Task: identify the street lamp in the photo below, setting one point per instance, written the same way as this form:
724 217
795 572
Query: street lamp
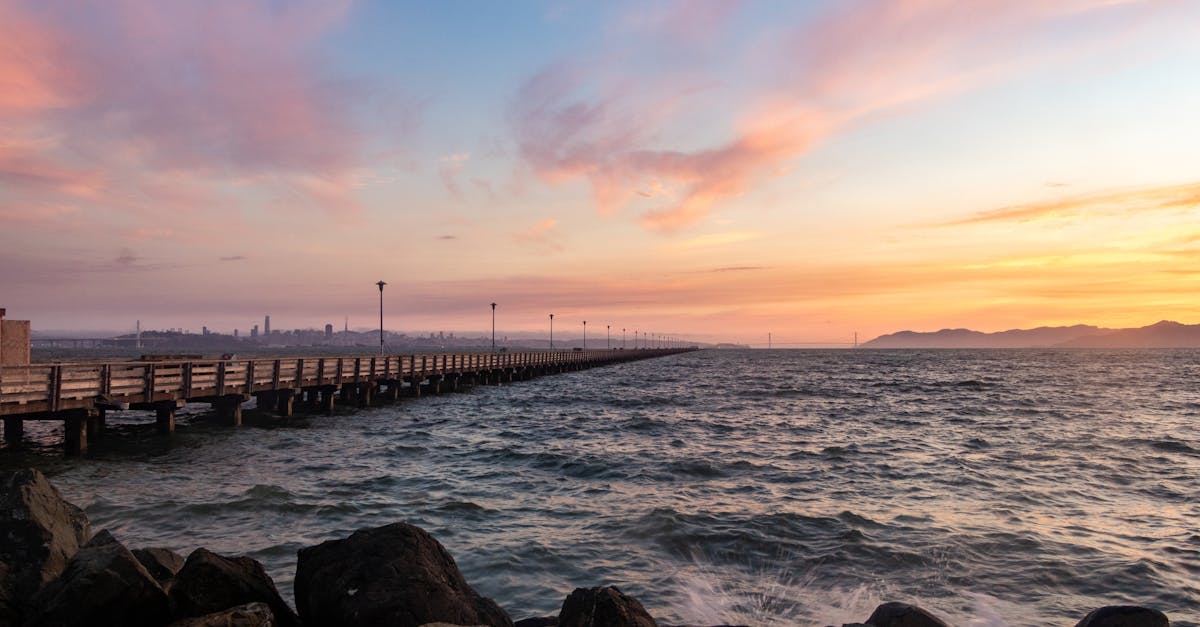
622 338
585 335
493 327
608 336
381 284
551 331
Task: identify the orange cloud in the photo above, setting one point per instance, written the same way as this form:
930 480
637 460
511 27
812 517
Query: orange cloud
1118 202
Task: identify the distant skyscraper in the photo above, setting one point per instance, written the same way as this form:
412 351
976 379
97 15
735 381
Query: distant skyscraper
254 332
329 331
235 333
267 325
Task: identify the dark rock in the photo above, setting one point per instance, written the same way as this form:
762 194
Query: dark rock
1124 616
248 615
8 612
903 615
210 583
603 607
537 621
40 533
396 575
103 584
162 564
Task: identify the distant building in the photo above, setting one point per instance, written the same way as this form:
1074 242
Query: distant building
14 341
235 333
329 332
254 332
267 325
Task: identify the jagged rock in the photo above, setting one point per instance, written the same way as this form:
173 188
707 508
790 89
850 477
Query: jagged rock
40 532
903 615
537 621
396 575
162 564
248 615
210 583
103 584
1124 616
603 607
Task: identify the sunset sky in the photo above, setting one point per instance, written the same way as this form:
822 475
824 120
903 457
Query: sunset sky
712 170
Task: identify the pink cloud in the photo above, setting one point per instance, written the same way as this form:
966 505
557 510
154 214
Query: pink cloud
544 235
130 101
591 121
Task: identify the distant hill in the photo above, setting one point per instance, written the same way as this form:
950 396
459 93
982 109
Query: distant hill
1165 334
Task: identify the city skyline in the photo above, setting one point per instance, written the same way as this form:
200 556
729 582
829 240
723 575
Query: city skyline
718 169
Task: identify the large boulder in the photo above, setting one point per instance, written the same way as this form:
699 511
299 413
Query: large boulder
903 615
210 583
102 585
1124 616
248 615
162 564
39 532
8 611
395 575
603 607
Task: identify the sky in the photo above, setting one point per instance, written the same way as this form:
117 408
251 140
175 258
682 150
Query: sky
710 169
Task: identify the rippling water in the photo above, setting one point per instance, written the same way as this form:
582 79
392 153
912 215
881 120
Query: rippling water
758 487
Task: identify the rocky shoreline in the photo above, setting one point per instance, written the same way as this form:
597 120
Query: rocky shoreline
55 572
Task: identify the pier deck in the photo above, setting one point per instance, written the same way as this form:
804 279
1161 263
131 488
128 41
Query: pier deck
81 393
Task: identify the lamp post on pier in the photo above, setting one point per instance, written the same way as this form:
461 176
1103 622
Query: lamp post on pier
493 327
608 336
551 331
585 335
622 338
381 284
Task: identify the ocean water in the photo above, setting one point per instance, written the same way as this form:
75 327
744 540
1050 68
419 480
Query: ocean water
751 487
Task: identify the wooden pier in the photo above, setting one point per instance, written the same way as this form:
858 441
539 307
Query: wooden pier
80 394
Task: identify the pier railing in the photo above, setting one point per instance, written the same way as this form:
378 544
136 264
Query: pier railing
50 388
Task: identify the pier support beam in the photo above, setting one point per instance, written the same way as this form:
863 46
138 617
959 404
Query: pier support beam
164 418
435 385
349 393
75 440
414 388
265 401
365 392
325 403
392 393
285 402
14 430
229 409
95 425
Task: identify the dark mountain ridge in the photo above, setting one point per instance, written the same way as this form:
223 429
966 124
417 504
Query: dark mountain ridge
1163 334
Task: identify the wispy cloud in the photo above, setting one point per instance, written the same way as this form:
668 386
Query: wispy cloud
233 258
596 120
1113 202
544 235
449 168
